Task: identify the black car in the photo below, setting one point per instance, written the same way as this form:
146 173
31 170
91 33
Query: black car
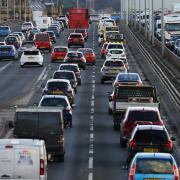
52 36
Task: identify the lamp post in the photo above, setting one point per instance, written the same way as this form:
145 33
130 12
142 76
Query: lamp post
152 11
7 10
162 29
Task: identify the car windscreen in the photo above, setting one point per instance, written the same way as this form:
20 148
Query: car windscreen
154 166
31 53
52 27
28 44
75 36
71 68
60 50
63 75
74 55
42 37
57 86
114 63
151 136
54 102
5 49
116 51
128 77
115 46
143 116
79 31
4 28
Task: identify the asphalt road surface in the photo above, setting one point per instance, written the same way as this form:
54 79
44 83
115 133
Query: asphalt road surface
92 146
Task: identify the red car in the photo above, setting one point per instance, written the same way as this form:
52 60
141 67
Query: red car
89 55
75 39
43 41
103 55
58 54
83 32
138 116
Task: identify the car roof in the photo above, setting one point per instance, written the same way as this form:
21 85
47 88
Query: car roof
61 47
142 108
150 127
68 64
64 70
9 46
74 52
75 34
154 155
54 96
58 80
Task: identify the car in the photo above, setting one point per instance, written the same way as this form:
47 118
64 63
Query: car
75 39
8 52
62 25
76 57
30 34
21 35
31 57
58 100
83 32
58 24
5 30
74 68
52 36
89 55
55 29
26 25
138 115
103 56
114 54
171 42
59 87
16 35
64 21
115 46
100 39
153 166
149 138
110 69
13 40
43 41
2 43
127 79
59 53
177 47
66 74
26 45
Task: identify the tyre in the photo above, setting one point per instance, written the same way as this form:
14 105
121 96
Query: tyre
50 50
123 142
21 66
84 68
109 111
82 46
69 46
70 124
79 82
102 81
116 127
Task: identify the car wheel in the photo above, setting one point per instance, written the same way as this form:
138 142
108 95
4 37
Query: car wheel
70 124
69 46
116 127
21 66
102 81
79 82
75 90
59 158
109 111
123 142
84 68
50 50
82 46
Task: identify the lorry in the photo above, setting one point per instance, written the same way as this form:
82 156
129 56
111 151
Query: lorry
43 22
23 159
44 123
131 95
78 18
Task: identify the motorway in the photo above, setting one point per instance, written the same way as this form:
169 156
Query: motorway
92 146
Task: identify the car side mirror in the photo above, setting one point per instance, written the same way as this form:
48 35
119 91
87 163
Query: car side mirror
173 139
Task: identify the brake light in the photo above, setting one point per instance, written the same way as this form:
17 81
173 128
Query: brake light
61 140
114 98
176 172
42 167
138 82
117 83
132 144
67 110
77 74
169 145
132 172
106 52
8 146
81 39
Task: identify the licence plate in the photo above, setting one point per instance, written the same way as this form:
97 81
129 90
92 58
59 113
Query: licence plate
114 71
58 92
151 150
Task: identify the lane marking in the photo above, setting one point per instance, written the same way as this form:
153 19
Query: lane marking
91 152
91 128
92 97
41 75
90 162
90 176
4 67
92 103
92 110
91 136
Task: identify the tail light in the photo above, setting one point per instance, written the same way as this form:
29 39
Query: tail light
169 145
61 140
70 39
132 144
113 98
67 110
139 82
81 39
127 129
42 167
132 172
117 83
176 173
77 74
102 51
82 59
106 52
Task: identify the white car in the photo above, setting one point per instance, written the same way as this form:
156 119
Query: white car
100 39
26 25
21 35
31 57
114 54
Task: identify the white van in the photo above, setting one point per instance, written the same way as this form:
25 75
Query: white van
23 159
43 22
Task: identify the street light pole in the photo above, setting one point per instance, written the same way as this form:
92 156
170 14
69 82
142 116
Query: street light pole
14 10
7 10
162 29
152 6
139 15
145 19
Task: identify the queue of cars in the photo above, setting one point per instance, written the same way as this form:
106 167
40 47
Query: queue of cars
136 115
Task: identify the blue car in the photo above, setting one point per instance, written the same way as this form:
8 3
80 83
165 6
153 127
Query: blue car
55 29
8 52
148 166
5 30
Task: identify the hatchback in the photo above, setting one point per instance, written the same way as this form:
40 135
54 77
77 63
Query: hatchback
59 100
12 40
153 166
59 53
52 36
114 54
8 52
5 30
83 32
76 57
114 46
74 68
75 39
55 29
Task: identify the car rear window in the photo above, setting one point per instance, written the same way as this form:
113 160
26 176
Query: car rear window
4 49
143 116
126 77
28 44
4 28
57 86
42 37
154 166
151 136
78 55
53 27
114 63
60 50
11 38
27 24
75 36
71 68
63 75
116 51
51 33
115 46
54 102
80 31
31 52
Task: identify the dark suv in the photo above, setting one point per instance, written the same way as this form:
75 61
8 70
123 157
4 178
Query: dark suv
75 39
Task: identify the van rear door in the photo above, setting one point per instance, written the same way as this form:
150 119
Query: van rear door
27 163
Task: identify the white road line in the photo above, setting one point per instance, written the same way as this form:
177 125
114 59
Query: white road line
91 128
91 117
92 103
93 86
41 75
90 176
93 81
4 67
91 136
90 162
91 151
92 97
92 110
